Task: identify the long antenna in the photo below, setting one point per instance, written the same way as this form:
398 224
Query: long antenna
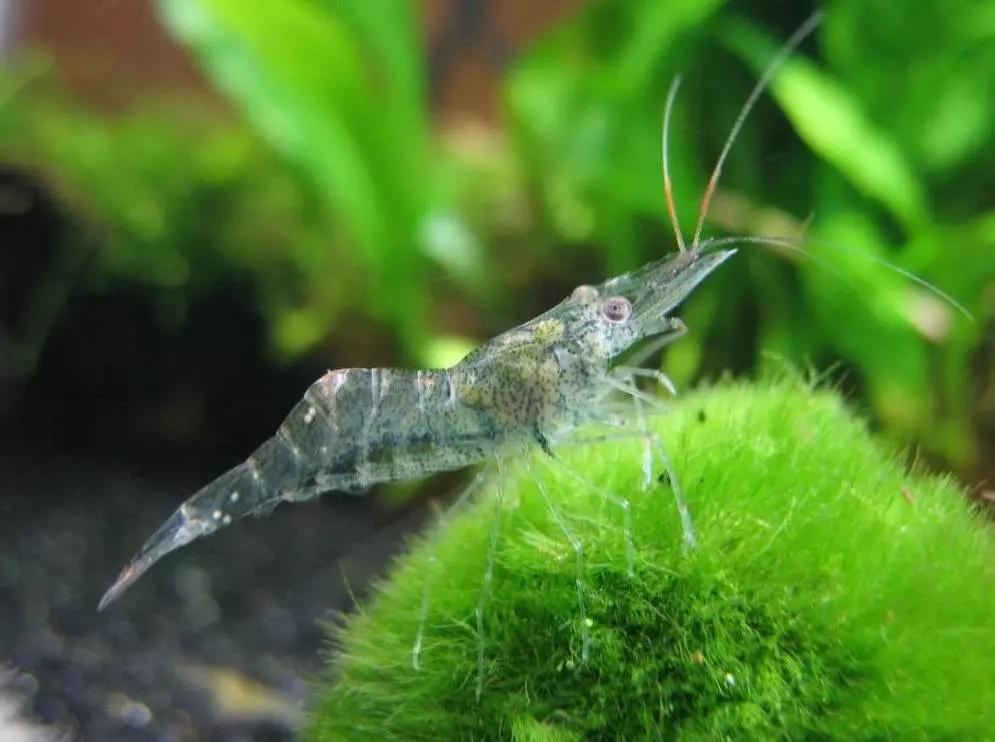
668 188
796 38
794 244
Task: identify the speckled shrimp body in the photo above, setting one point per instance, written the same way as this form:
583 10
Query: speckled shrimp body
533 385
358 427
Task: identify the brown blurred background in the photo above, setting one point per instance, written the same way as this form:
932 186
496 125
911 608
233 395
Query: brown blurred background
106 48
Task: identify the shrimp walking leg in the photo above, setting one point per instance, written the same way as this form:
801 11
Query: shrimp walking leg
578 549
621 502
464 496
485 588
652 442
656 375
629 372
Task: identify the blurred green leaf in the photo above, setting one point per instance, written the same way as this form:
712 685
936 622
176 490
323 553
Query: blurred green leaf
893 160
370 199
834 124
941 54
337 90
446 351
656 30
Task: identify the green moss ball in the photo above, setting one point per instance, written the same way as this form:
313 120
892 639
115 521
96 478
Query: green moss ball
831 595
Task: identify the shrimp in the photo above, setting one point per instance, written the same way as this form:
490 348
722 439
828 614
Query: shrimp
529 388
358 427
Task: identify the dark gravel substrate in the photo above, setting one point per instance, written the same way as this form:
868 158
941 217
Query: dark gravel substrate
216 642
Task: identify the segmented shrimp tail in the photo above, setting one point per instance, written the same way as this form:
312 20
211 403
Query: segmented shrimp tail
254 487
178 530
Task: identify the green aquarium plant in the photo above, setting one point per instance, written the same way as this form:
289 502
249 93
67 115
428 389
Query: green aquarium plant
836 154
339 90
339 197
833 594
176 201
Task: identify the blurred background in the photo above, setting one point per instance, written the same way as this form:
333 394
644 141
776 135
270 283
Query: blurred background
205 204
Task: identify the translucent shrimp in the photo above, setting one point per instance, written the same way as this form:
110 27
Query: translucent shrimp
358 427
531 387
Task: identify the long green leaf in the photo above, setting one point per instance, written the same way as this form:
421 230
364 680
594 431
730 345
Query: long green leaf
834 124
335 89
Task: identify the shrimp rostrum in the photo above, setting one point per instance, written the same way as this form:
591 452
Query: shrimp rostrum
535 384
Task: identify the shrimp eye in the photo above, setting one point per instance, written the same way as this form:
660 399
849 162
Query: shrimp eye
616 309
